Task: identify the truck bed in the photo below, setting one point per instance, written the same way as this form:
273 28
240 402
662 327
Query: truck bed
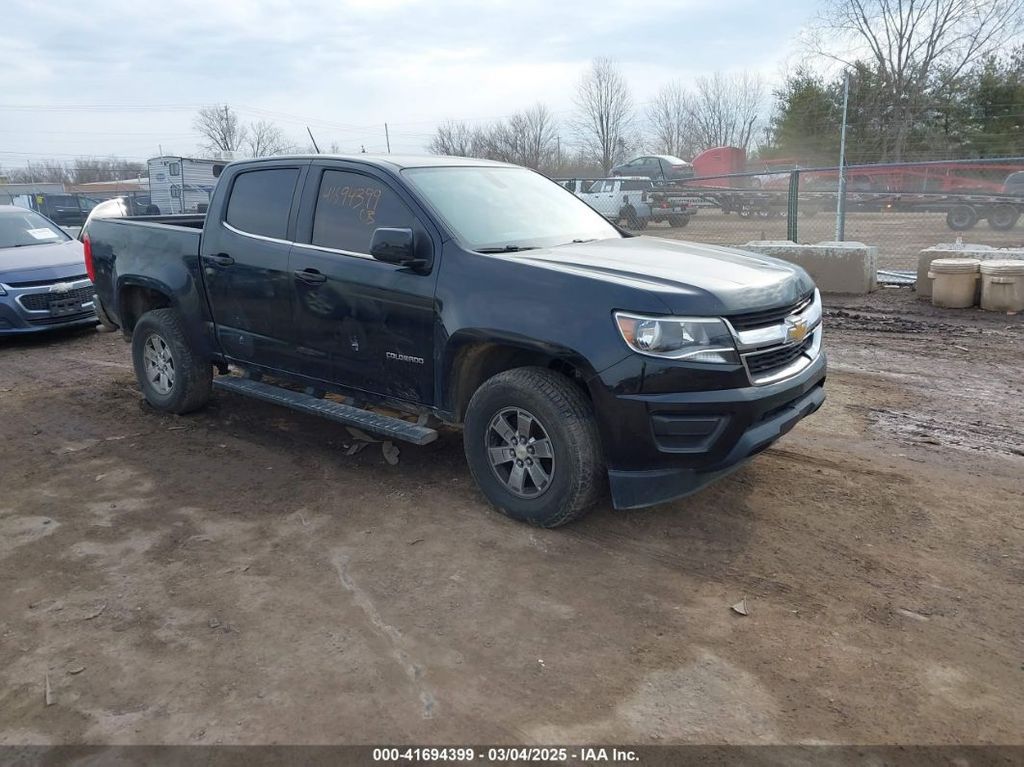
157 252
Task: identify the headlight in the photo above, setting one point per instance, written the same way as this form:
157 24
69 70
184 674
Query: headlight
695 339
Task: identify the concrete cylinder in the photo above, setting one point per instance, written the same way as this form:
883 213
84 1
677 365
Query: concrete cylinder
955 280
1002 285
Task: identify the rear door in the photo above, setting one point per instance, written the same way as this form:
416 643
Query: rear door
244 257
359 322
603 197
634 192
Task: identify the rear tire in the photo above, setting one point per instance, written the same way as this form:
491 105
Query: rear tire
1002 218
173 377
632 219
559 440
678 222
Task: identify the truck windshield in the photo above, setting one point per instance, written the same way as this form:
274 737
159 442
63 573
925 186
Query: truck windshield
22 228
495 208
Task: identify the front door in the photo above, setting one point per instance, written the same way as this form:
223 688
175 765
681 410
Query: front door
358 322
245 267
604 197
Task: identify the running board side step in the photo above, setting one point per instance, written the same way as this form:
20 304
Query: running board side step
386 425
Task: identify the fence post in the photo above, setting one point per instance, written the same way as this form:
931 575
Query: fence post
793 206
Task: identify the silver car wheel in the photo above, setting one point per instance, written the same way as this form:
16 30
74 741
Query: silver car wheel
156 355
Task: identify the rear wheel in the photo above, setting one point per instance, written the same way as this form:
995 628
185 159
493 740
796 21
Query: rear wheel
961 218
532 446
632 218
173 377
1003 217
679 221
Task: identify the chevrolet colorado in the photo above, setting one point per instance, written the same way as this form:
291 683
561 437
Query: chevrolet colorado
470 293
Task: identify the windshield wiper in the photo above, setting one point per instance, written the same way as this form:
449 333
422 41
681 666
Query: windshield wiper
506 249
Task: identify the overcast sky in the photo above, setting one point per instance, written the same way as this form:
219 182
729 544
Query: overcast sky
121 77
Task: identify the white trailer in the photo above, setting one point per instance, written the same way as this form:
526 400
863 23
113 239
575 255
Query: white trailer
182 184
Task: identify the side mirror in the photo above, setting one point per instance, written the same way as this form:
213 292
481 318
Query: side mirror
395 246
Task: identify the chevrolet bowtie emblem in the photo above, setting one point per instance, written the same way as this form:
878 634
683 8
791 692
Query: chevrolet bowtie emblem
796 330
62 287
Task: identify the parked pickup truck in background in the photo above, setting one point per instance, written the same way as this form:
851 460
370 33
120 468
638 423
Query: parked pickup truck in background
475 294
629 201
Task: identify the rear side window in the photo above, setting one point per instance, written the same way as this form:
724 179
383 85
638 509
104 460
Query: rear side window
350 206
261 201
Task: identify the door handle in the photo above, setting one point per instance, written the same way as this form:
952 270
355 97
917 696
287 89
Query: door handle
311 276
219 259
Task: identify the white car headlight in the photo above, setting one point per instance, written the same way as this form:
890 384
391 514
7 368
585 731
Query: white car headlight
695 339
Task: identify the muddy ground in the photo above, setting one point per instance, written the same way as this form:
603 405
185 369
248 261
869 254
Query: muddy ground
233 577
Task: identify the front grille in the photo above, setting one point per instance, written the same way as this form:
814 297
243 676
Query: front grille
765 363
765 317
37 302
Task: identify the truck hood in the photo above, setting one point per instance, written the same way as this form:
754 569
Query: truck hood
688 277
51 261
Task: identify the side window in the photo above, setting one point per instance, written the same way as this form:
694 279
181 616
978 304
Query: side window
350 206
261 201
174 169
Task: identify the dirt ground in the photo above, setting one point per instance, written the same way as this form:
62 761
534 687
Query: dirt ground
233 577
899 236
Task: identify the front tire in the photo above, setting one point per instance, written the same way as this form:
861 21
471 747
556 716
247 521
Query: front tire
173 376
961 218
532 446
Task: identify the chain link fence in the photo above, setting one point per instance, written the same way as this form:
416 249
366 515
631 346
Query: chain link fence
899 208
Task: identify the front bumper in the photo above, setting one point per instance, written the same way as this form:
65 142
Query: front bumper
660 447
45 305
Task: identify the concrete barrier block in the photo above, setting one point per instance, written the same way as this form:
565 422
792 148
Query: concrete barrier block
836 267
950 250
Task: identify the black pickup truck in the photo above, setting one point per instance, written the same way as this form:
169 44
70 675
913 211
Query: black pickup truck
395 294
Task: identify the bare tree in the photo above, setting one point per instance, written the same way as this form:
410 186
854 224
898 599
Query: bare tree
539 137
221 128
263 138
604 112
89 169
918 48
40 172
455 139
669 118
527 138
725 110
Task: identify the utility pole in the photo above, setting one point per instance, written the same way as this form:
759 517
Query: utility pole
841 197
387 137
